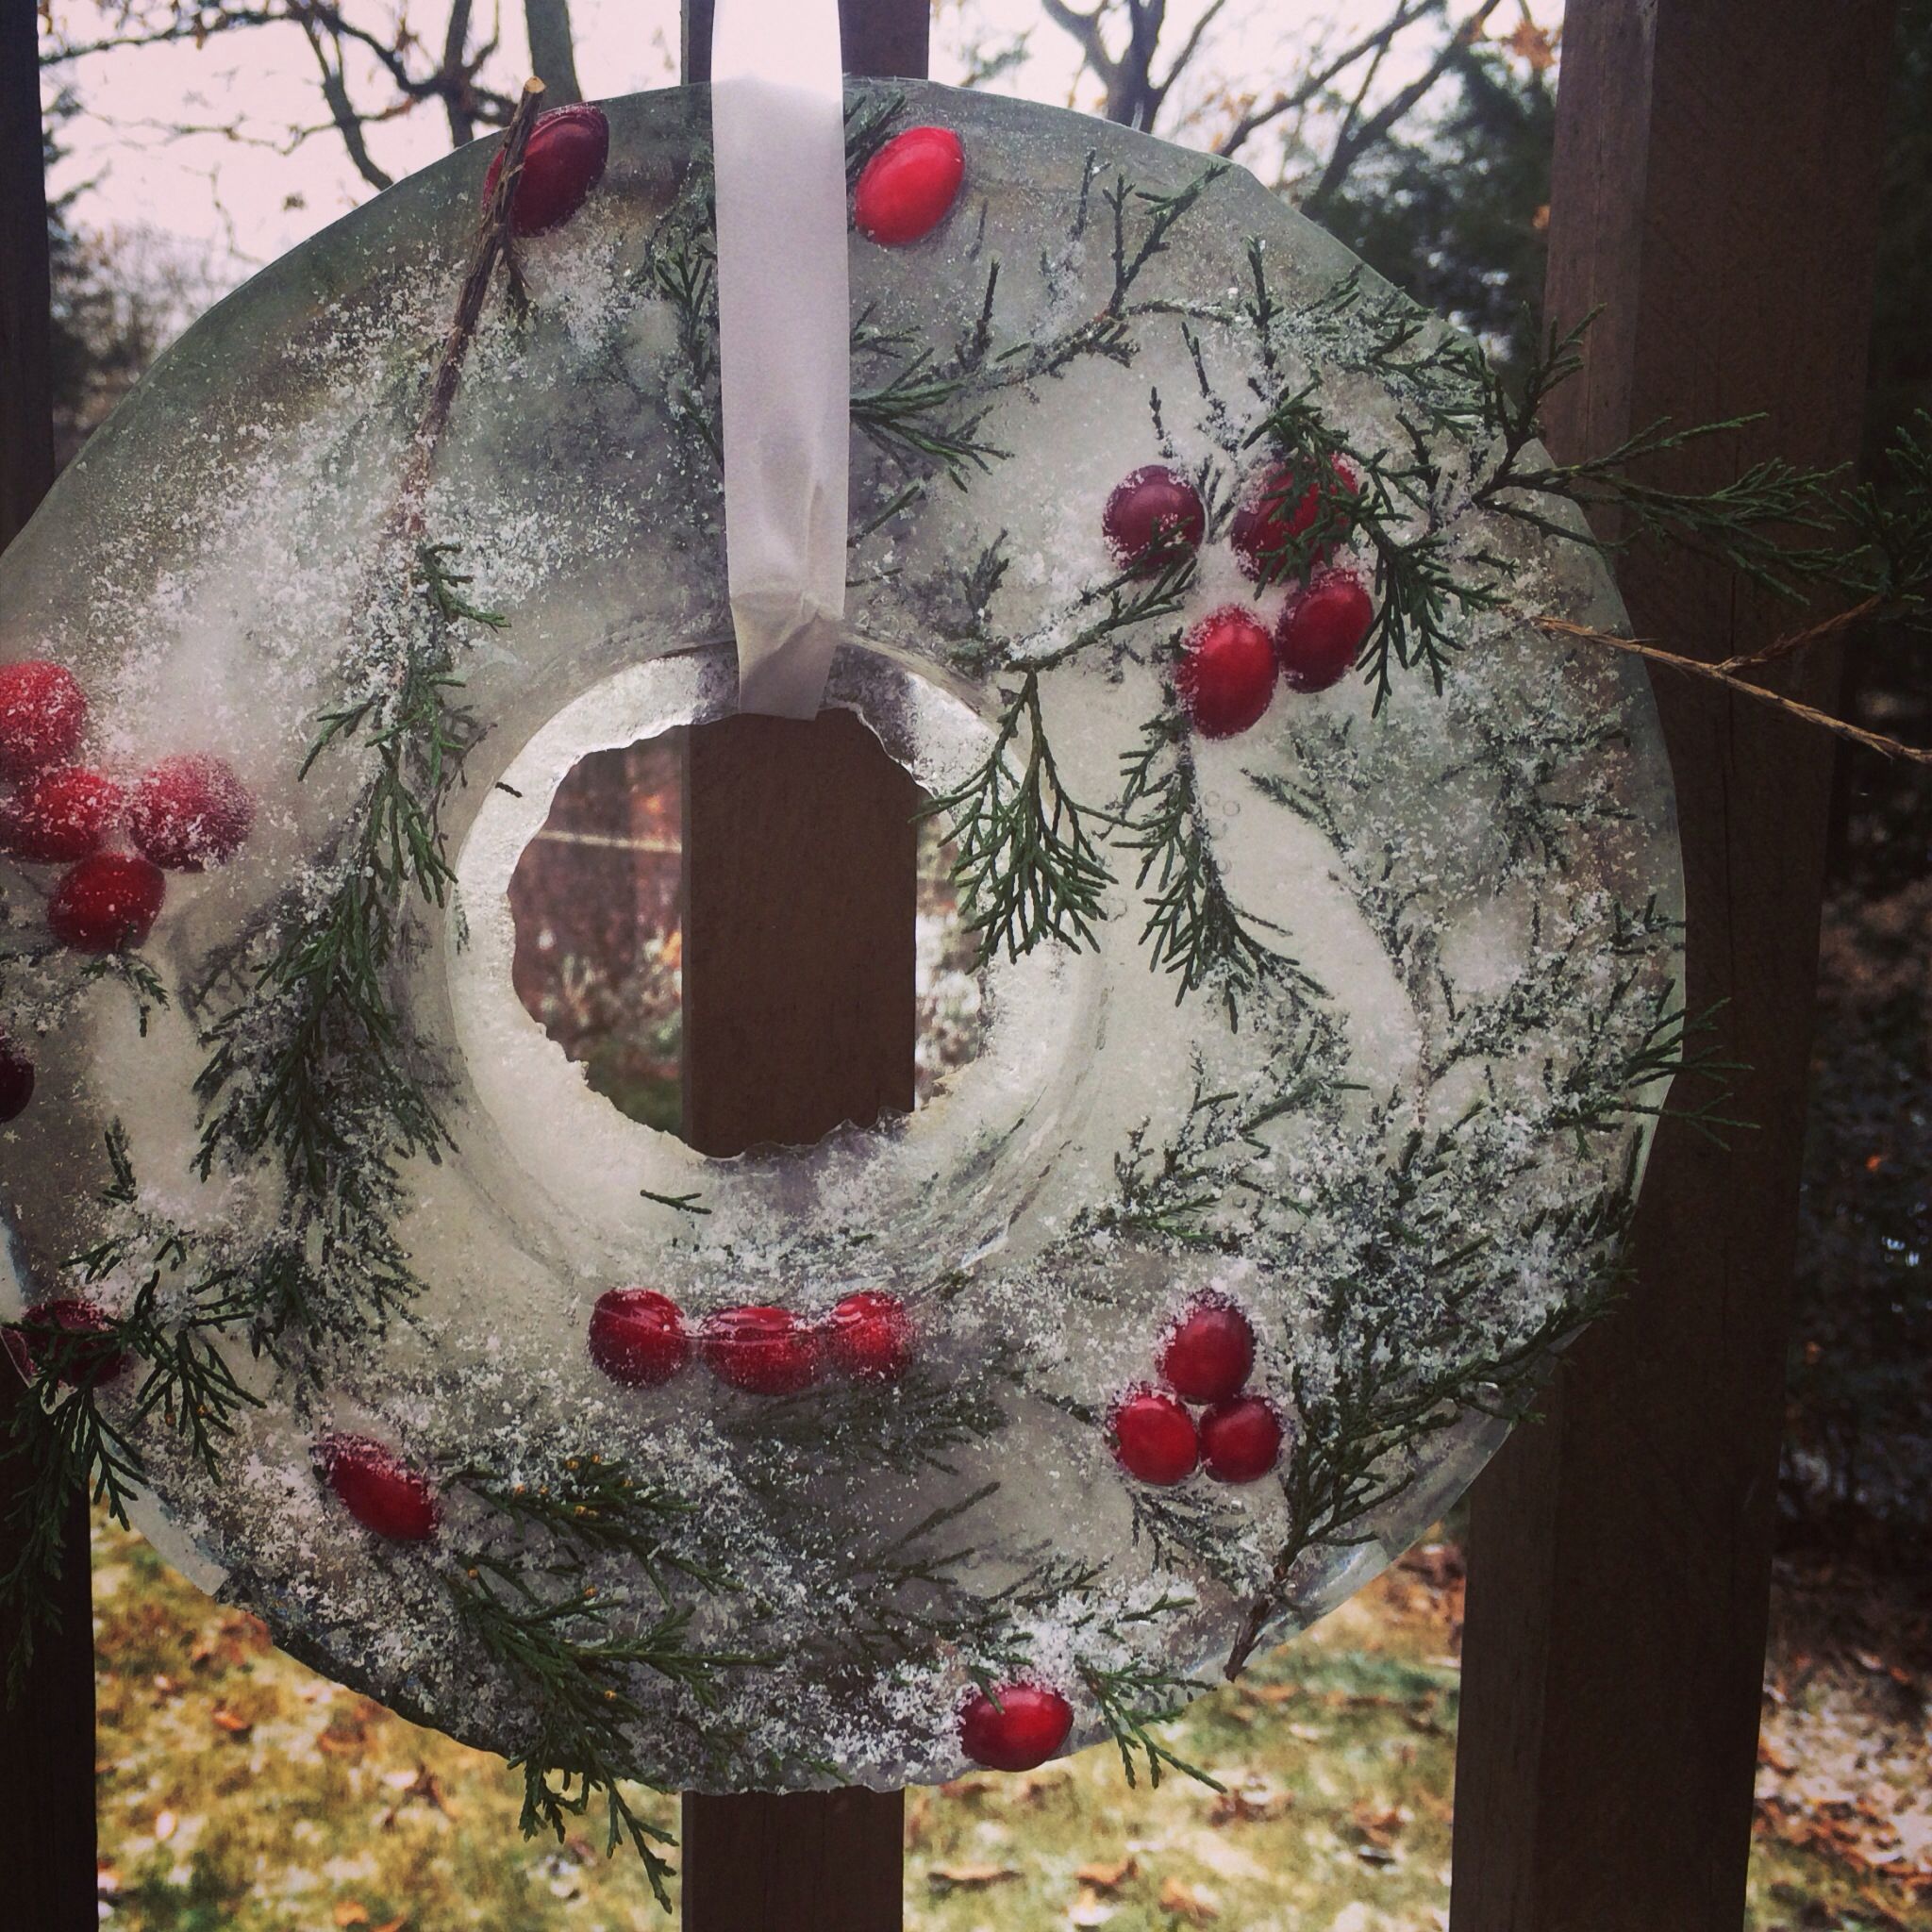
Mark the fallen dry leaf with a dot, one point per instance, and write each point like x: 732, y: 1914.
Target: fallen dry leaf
x: 392, y: 1926
x: 1034, y: 1786
x: 1252, y: 1801
x: 1105, y: 1877
x: 227, y: 1720
x: 351, y: 1912
x: 1198, y: 1907
x: 968, y: 1878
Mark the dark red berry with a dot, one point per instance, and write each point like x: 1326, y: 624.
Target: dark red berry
x: 16, y: 1080
x: 61, y: 814
x: 562, y: 162
x: 764, y: 1350
x: 1153, y: 1436
x: 870, y: 1336
x: 74, y: 1339
x: 1153, y: 517
x: 1321, y: 631
x: 637, y: 1337
x: 907, y: 189
x: 1241, y: 1441
x: 43, y: 715
x: 1226, y: 672
x: 190, y: 813
x: 1208, y: 1351
x: 1290, y: 519
x: 1018, y: 1727
x: 107, y: 903
x: 378, y: 1489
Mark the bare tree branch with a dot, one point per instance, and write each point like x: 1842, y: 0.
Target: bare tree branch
x: 1313, y: 84
x: 455, y: 42
x: 1357, y: 139
x: 335, y: 91
x: 553, y: 50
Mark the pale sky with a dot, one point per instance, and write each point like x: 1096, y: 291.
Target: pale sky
x: 243, y: 198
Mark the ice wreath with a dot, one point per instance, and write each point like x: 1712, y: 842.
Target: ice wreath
x: 1330, y: 914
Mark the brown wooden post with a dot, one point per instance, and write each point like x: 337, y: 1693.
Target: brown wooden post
x: 1715, y: 193
x: 47, y: 1738
x: 799, y: 1014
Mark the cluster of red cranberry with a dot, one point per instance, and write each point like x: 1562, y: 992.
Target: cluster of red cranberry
x: 183, y: 814
x: 1205, y: 1359
x: 1230, y: 661
x: 638, y: 1337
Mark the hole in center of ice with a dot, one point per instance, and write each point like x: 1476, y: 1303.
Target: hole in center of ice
x: 595, y: 900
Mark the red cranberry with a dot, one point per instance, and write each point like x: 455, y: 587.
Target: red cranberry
x: 1241, y: 1441
x: 870, y: 1336
x: 637, y: 1337
x: 1208, y: 1351
x: 42, y: 716
x: 1287, y: 505
x: 190, y: 813
x: 1322, y: 630
x: 907, y: 189
x: 1018, y: 1727
x: 62, y: 814
x: 378, y: 1489
x: 562, y: 162
x: 1226, y: 672
x: 76, y: 1336
x: 1153, y: 1436
x: 1153, y: 517
x: 16, y: 1080
x: 107, y: 903
x: 765, y: 1351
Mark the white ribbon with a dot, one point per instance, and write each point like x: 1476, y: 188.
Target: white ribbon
x: 784, y: 321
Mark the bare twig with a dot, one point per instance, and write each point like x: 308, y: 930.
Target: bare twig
x: 1358, y: 140
x: 493, y: 245
x: 1726, y: 674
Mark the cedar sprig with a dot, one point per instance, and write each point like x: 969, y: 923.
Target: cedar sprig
x: 145, y: 985
x: 870, y: 115
x: 63, y: 1440
x: 912, y: 418
x: 1423, y: 588
x: 317, y: 1065
x: 1601, y: 1092
x: 1437, y: 375
x: 1029, y: 868
x: 1186, y: 1525
x: 1169, y: 1192
x: 54, y: 1451
x: 565, y: 1661
x: 680, y: 265
x: 76, y: 974
x: 591, y: 1506
x: 919, y: 1422
x: 1195, y: 930
x: 1133, y: 1697
x: 1346, y: 1467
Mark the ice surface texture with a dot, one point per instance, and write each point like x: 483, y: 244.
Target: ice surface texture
x: 1407, y: 1160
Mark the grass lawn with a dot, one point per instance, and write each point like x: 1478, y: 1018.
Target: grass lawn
x: 240, y: 1794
